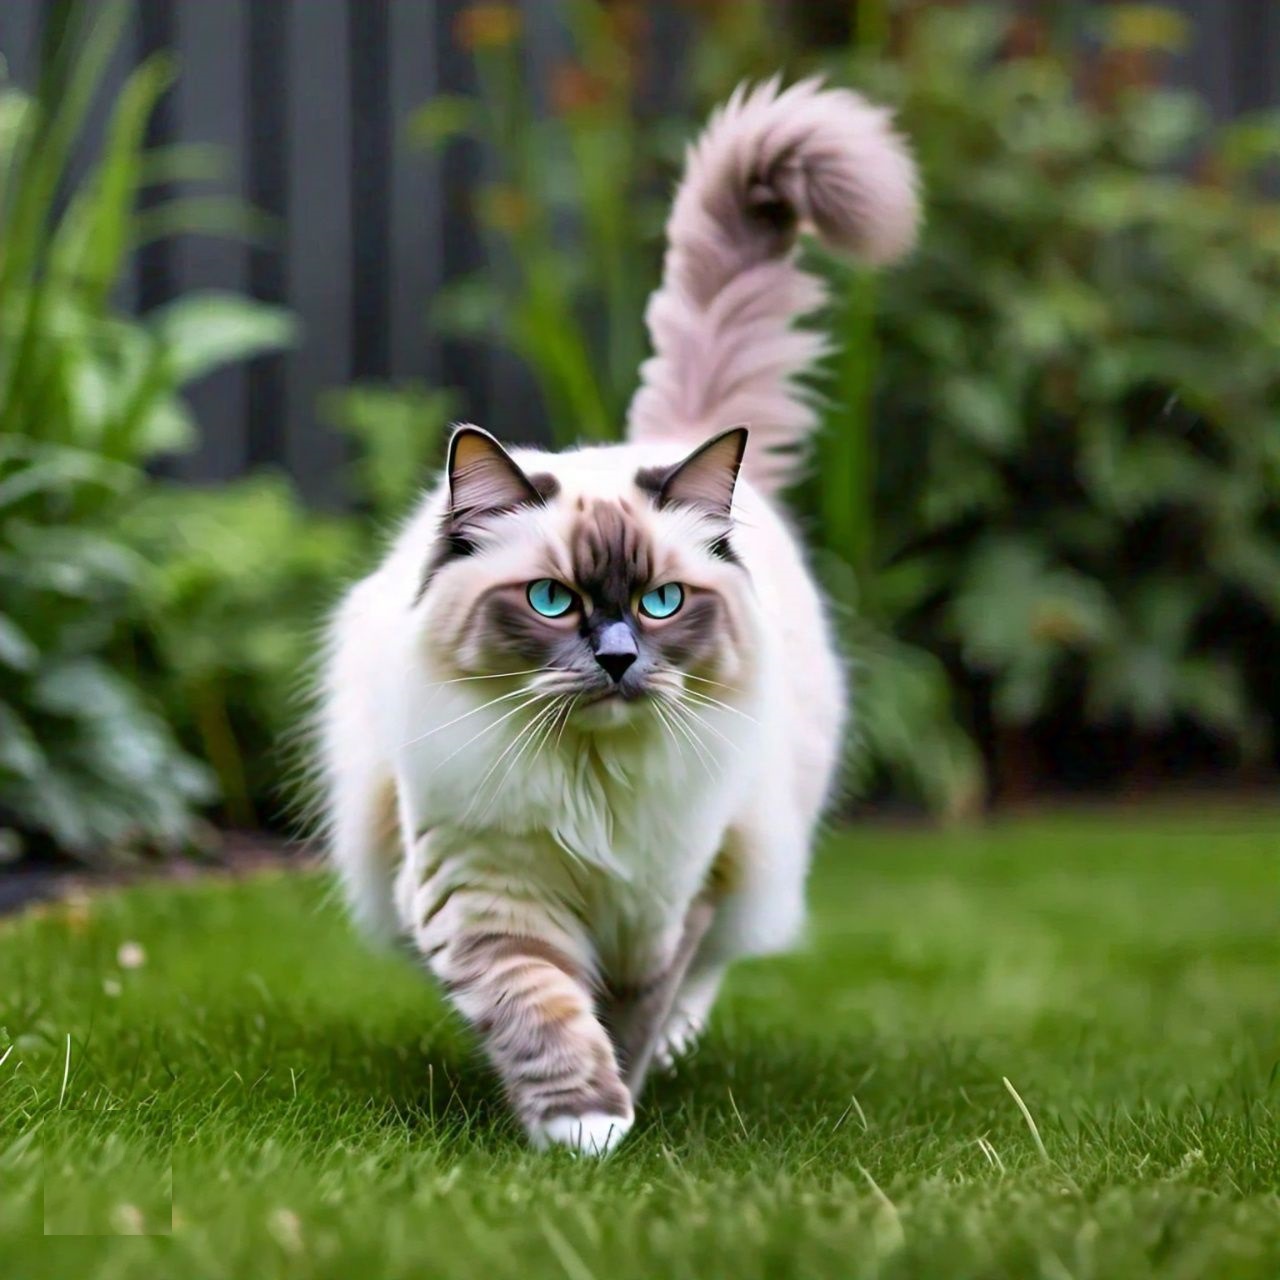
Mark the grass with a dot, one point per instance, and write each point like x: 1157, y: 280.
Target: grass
x: 1044, y: 1049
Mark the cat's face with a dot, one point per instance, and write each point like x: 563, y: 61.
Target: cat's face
x: 609, y: 592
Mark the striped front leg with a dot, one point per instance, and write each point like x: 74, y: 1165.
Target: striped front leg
x: 523, y: 979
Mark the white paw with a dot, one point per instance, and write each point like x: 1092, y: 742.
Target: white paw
x: 677, y: 1041
x: 592, y: 1134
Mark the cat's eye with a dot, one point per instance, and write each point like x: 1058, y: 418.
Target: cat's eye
x: 662, y: 601
x: 550, y: 598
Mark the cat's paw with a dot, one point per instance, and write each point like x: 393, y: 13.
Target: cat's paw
x: 593, y: 1133
x: 677, y: 1040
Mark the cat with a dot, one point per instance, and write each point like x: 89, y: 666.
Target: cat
x: 579, y: 727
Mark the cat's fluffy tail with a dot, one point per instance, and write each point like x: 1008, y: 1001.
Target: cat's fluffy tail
x: 770, y: 163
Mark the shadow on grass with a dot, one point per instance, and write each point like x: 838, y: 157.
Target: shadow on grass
x: 430, y: 1080
x: 770, y: 1090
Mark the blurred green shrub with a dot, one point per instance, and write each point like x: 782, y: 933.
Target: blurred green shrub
x: 87, y: 398
x: 1078, y: 397
x: 226, y: 625
x: 228, y: 617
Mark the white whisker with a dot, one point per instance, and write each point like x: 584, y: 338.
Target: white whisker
x: 681, y: 676
x: 667, y: 724
x: 466, y: 715
x: 568, y: 711
x: 706, y: 700
x: 525, y: 736
x: 700, y: 750
x: 499, y: 675
x: 684, y: 715
x: 719, y: 684
x: 706, y: 724
x: 562, y: 705
x: 489, y: 728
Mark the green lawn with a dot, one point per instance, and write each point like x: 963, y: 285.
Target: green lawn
x: 309, y: 1109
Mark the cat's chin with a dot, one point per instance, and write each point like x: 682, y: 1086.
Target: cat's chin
x: 610, y: 711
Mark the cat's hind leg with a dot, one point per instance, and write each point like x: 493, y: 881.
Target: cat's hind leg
x: 756, y: 889
x: 690, y: 1012
x: 365, y: 844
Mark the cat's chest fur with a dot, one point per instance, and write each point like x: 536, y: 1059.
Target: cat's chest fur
x: 620, y: 832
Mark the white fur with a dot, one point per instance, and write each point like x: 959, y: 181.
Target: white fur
x: 622, y: 821
x: 593, y: 1134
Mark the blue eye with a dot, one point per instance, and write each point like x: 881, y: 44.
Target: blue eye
x: 550, y: 598
x: 662, y: 601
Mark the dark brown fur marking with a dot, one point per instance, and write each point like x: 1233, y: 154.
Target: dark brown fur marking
x: 611, y: 557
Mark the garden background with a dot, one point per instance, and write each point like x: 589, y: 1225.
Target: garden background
x: 256, y: 255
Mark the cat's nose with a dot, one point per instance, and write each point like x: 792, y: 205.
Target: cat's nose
x: 616, y: 650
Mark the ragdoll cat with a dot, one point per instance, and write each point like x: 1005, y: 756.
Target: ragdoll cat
x: 579, y: 726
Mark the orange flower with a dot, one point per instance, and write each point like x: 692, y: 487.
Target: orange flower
x: 1027, y: 37
x: 1052, y: 624
x: 487, y: 26
x: 1116, y: 71
x: 628, y: 22
x: 573, y: 88
x: 506, y: 208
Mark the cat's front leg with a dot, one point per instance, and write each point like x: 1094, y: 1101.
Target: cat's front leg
x: 524, y: 982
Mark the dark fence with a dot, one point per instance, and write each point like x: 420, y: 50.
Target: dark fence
x: 307, y: 97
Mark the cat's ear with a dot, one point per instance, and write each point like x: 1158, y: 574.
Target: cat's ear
x: 483, y: 477
x: 705, y: 479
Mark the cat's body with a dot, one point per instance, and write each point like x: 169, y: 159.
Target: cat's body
x: 538, y: 769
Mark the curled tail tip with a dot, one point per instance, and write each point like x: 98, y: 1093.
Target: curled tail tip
x: 817, y: 157
x: 772, y: 161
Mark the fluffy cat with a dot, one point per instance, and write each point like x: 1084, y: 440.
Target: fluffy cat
x: 579, y: 726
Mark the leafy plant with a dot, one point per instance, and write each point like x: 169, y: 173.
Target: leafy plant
x: 1080, y: 381
x: 226, y: 624
x: 87, y: 398
x: 563, y: 214
x: 229, y: 614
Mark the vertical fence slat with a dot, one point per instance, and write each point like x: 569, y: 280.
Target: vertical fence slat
x: 267, y: 183
x: 1255, y: 41
x: 463, y: 363
x: 318, y: 252
x: 19, y: 28
x: 369, y: 69
x: 416, y: 230
x: 515, y: 406
x: 210, y: 110
x: 1207, y: 65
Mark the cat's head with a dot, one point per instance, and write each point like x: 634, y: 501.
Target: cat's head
x: 591, y: 576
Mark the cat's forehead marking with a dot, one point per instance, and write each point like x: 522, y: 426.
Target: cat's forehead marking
x: 611, y: 552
